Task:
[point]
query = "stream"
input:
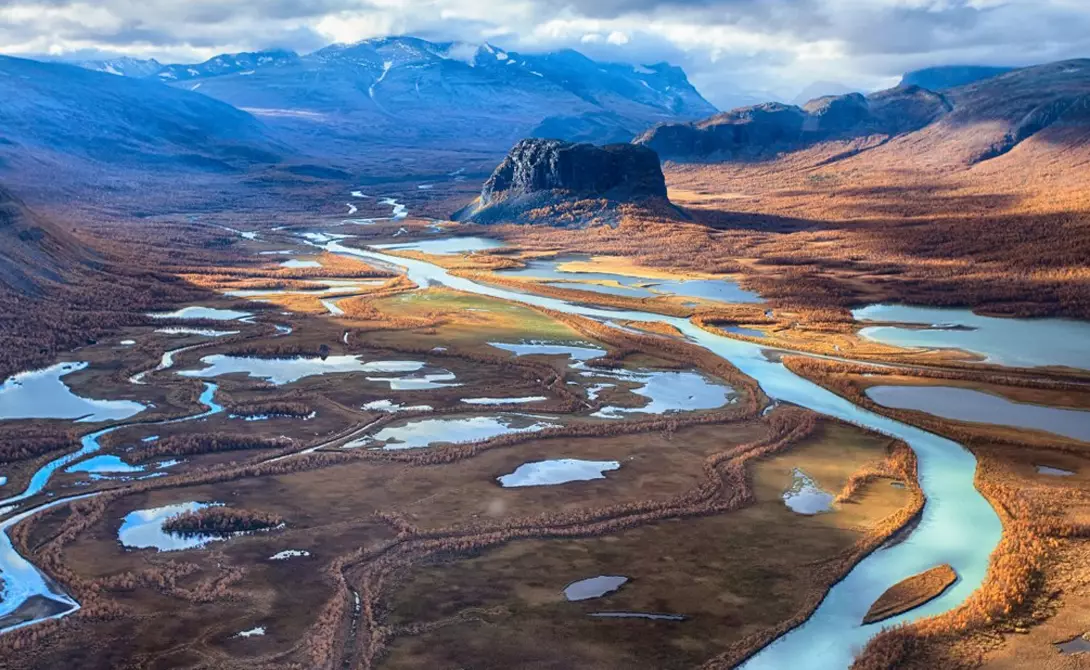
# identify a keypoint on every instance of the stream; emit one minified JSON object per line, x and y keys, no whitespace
{"x":957,"y":525}
{"x":22,"y":581}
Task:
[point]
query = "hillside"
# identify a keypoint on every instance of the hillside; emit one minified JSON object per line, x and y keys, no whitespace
{"x":960,"y":126}
{"x":412,"y":92}
{"x":942,"y":77}
{"x":765,"y":130}
{"x":59,"y":118}
{"x":35,"y":252}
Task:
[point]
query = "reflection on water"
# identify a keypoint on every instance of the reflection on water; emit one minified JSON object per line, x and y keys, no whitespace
{"x":1013,"y":342}
{"x":296,"y":263}
{"x":594,"y":587}
{"x":639,"y":615}
{"x":201,"y":313}
{"x":504,"y":401}
{"x":805,"y":496}
{"x":41,"y":394}
{"x":105,"y":464}
{"x":444,"y":247}
{"x":1078,"y":645}
{"x":964,"y":404}
{"x":1053,"y":472}
{"x":668,"y":391}
{"x":557,"y":471}
{"x":281,"y":371}
{"x":143,"y":529}
{"x":722,"y":290}
{"x":957,"y":525}
{"x":421,"y":433}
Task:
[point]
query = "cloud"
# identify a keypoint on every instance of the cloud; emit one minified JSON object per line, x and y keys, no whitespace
{"x":733,"y":50}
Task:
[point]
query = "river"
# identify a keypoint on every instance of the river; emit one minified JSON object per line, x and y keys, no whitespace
{"x":957,"y":526}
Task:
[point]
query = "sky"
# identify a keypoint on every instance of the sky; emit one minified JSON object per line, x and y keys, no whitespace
{"x":734,"y":51}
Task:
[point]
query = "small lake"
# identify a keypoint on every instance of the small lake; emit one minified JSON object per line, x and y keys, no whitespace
{"x":280,"y":371}
{"x":296,"y":263}
{"x":575,"y":352}
{"x":42,"y":394}
{"x":205,"y":332}
{"x":557,"y":471}
{"x":143,"y":529}
{"x":420,"y":433}
{"x":447,"y":246}
{"x":392,"y":407}
{"x":805,"y":496}
{"x":423,"y":380}
{"x":594,"y":587}
{"x":722,"y":290}
{"x":653,"y":616}
{"x":668,"y":391}
{"x":212,"y":313}
{"x":504,"y":401}
{"x":963,"y":404}
{"x":1053,"y":472}
{"x":1010,"y":342}
{"x":104,"y":464}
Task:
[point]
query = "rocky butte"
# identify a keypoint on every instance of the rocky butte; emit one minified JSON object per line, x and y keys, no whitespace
{"x":580,"y":181}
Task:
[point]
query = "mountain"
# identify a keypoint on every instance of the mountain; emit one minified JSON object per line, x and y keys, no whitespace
{"x":943,"y":77}
{"x":1049,"y":104}
{"x":820,"y":89}
{"x":35,"y":252}
{"x":964,"y":125}
{"x":241,"y":63}
{"x":59,"y":117}
{"x":122,"y":66}
{"x":412,"y":92}
{"x":761,"y":131}
{"x":539,"y":174}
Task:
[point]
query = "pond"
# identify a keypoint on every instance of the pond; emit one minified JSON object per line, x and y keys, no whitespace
{"x":280,"y":371}
{"x":213,"y":313}
{"x":42,"y":394}
{"x":957,"y":525}
{"x":721,"y":290}
{"x":297,"y":263}
{"x":594,"y":587}
{"x":805,"y":496}
{"x":504,"y":401}
{"x":420,"y":433}
{"x":446,"y":246}
{"x":668,"y":391}
{"x":556,"y":471}
{"x":1010,"y":342}
{"x":143,"y":529}
{"x":964,"y":404}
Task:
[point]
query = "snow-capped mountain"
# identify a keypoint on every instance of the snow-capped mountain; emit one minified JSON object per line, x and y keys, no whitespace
{"x":410,"y":91}
{"x":240,"y":63}
{"x":123,"y":66}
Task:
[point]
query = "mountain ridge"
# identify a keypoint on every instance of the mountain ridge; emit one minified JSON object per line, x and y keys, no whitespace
{"x":410,"y":91}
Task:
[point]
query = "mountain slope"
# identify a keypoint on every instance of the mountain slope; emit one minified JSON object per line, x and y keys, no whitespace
{"x":960,"y":126}
{"x":943,"y":77}
{"x":409,"y":91}
{"x":765,"y":130}
{"x":34,"y":251}
{"x":62,"y":116}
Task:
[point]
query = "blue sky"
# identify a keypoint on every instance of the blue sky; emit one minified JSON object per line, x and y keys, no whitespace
{"x":730,"y":48}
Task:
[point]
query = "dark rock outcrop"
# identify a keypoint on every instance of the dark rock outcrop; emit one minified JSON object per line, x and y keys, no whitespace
{"x":765,"y":130}
{"x":538,"y":173}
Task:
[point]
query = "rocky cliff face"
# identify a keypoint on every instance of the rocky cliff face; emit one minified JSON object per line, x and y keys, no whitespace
{"x":539,"y":173}
{"x":765,"y":130}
